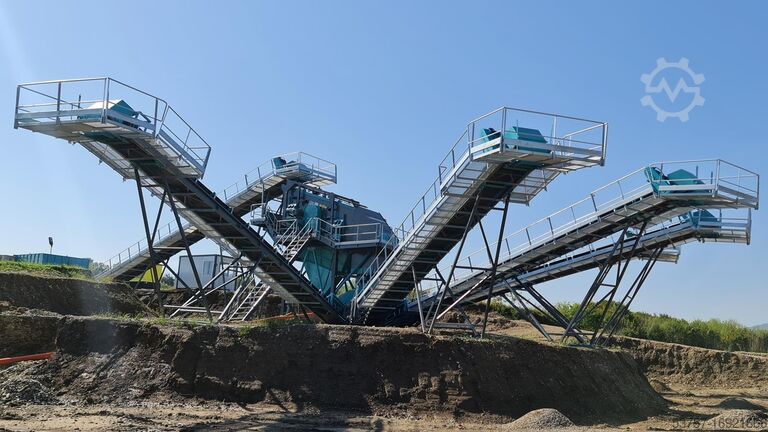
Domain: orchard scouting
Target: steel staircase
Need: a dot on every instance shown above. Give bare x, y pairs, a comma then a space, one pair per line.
251, 295
262, 184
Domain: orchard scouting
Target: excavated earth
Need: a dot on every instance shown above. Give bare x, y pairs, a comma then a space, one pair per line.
373, 371
121, 373
68, 296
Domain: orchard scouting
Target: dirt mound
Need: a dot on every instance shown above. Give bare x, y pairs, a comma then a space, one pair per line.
739, 403
25, 332
540, 419
68, 296
17, 391
697, 367
739, 420
372, 370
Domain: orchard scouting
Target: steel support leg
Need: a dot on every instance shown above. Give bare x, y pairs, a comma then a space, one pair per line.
455, 261
605, 333
180, 226
614, 259
150, 240
495, 264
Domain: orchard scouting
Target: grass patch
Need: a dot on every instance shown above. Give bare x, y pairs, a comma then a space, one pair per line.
712, 334
45, 270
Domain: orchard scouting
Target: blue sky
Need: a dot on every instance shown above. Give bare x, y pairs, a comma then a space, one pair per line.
383, 89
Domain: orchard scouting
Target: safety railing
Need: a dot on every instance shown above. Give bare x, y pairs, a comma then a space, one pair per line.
289, 164
139, 249
547, 134
566, 135
285, 230
635, 185
713, 177
106, 100
315, 166
343, 235
696, 222
626, 189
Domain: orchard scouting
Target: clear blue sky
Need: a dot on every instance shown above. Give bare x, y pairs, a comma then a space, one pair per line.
383, 89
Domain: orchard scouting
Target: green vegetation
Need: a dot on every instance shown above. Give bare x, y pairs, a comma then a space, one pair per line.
45, 270
713, 334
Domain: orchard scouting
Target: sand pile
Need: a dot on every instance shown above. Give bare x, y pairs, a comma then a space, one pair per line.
540, 419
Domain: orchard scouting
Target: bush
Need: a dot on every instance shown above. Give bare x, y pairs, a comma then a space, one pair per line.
713, 334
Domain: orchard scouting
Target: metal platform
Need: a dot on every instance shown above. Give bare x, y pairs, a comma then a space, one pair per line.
260, 185
730, 226
630, 201
667, 236
483, 168
133, 134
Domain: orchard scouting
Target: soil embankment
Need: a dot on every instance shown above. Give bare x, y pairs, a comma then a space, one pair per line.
697, 367
380, 371
68, 296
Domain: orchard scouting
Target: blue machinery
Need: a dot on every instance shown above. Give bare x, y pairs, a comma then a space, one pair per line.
329, 255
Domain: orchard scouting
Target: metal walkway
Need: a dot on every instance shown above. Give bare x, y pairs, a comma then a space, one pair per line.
261, 185
649, 196
667, 236
141, 137
671, 235
492, 161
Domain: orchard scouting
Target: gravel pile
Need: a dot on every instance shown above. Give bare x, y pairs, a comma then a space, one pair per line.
540, 419
739, 404
19, 391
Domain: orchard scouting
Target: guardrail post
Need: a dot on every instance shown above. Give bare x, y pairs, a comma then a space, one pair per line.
605, 143
716, 182
16, 115
503, 128
106, 101
155, 118
58, 103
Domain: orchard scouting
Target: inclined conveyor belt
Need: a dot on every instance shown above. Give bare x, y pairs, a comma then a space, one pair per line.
482, 169
261, 185
143, 136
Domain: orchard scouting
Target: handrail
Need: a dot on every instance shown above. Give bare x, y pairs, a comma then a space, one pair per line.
552, 230
192, 149
450, 163
320, 167
694, 221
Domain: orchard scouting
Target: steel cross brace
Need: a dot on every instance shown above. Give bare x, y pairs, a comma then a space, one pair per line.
604, 334
613, 260
472, 217
150, 234
209, 287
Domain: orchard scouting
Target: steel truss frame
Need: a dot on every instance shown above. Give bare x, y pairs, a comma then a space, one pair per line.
429, 320
151, 235
244, 274
528, 301
610, 311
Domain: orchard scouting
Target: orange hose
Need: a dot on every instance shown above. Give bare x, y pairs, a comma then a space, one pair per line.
11, 360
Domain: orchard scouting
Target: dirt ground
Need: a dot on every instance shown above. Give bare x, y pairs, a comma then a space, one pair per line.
131, 375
